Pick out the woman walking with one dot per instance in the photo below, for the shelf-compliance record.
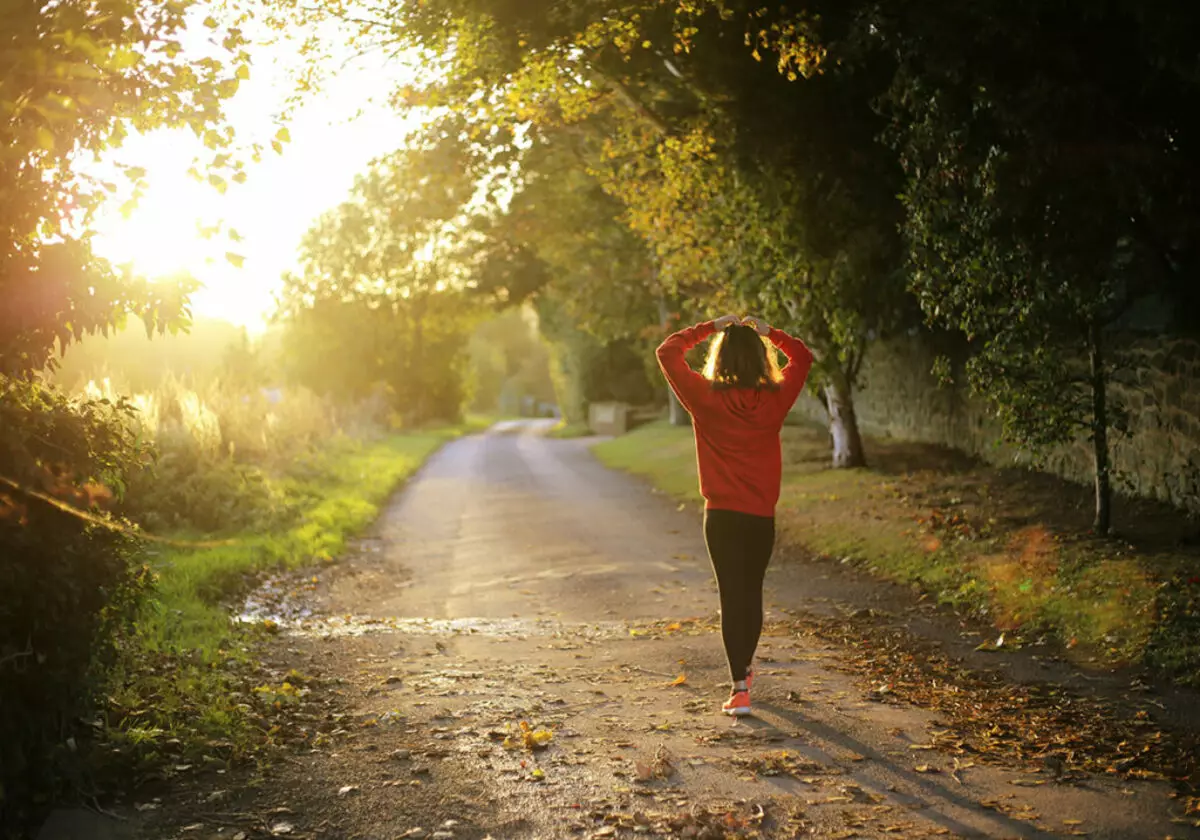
(738, 406)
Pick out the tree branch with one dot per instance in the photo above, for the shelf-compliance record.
(644, 111)
(13, 657)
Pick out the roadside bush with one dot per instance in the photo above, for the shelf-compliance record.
(71, 587)
(215, 451)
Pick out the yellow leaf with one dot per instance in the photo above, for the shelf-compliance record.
(680, 680)
(538, 738)
(235, 260)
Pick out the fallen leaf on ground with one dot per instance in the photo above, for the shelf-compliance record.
(531, 738)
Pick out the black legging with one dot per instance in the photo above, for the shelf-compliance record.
(739, 545)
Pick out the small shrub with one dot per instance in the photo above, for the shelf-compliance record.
(71, 588)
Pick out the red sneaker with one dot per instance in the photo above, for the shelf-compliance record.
(738, 704)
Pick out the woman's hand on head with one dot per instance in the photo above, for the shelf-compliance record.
(725, 321)
(757, 324)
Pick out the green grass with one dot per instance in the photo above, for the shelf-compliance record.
(565, 430)
(344, 488)
(186, 679)
(662, 453)
(996, 543)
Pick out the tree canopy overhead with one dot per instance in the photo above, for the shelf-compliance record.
(380, 300)
(680, 114)
(75, 79)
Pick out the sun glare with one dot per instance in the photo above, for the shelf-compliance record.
(334, 137)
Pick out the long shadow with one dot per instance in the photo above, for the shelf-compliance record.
(926, 785)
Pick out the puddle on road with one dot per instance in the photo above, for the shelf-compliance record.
(278, 602)
(304, 623)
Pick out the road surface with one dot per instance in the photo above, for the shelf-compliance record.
(517, 581)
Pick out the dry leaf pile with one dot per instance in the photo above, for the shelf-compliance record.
(998, 721)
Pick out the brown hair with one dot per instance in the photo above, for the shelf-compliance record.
(740, 358)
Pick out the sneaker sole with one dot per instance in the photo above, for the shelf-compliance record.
(737, 711)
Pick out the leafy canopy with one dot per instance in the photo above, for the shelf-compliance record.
(75, 79)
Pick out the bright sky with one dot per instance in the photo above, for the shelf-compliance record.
(282, 196)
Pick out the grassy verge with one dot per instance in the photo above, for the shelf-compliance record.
(563, 429)
(189, 688)
(342, 489)
(1006, 545)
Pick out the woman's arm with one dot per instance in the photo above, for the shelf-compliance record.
(800, 359)
(689, 386)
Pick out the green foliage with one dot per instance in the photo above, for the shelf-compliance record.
(586, 370)
(380, 304)
(589, 261)
(508, 363)
(560, 241)
(71, 589)
(1042, 204)
(77, 78)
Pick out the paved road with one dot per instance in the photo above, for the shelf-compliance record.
(516, 579)
(512, 523)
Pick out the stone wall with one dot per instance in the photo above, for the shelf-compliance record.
(1158, 458)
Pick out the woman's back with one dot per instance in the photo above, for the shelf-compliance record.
(736, 427)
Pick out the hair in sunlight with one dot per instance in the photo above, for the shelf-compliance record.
(739, 357)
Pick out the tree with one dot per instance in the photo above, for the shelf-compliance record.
(75, 79)
(380, 300)
(560, 242)
(1049, 189)
(509, 362)
(736, 207)
(781, 193)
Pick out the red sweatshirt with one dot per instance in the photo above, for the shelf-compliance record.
(737, 429)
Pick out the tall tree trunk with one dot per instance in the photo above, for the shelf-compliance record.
(1103, 480)
(843, 425)
(676, 414)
